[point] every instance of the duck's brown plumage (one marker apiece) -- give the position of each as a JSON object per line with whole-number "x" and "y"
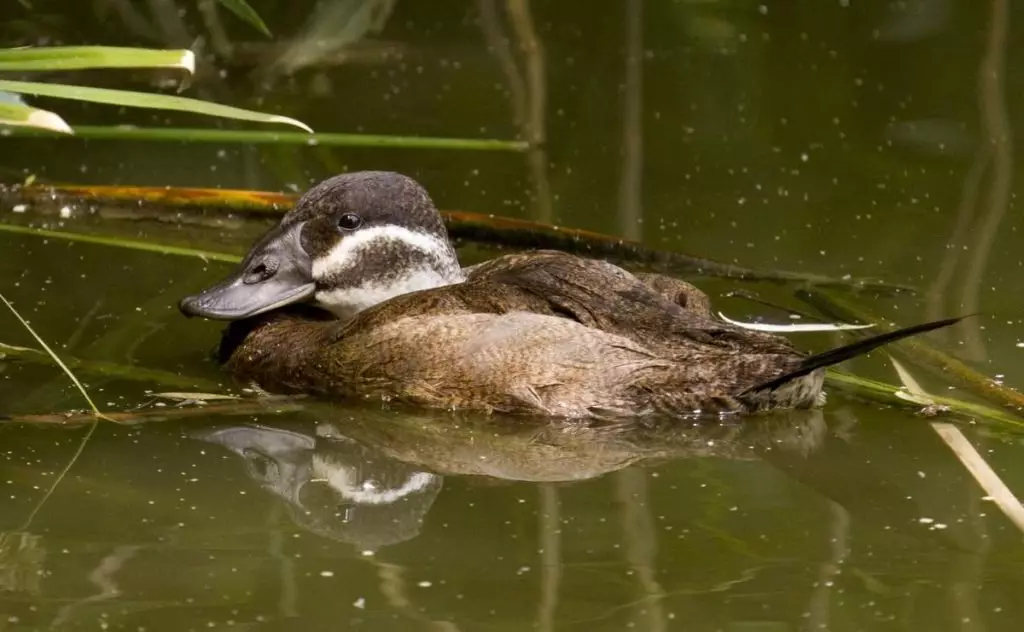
{"x": 617, "y": 347}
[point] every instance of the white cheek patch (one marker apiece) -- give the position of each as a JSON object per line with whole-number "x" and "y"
{"x": 348, "y": 250}
{"x": 349, "y": 301}
{"x": 343, "y": 260}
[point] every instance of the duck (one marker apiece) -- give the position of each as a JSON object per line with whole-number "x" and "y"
{"x": 357, "y": 293}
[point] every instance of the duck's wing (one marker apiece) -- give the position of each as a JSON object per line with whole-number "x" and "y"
{"x": 665, "y": 314}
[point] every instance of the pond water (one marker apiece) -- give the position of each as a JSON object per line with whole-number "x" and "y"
{"x": 843, "y": 138}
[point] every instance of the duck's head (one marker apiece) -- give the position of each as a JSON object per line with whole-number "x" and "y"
{"x": 351, "y": 242}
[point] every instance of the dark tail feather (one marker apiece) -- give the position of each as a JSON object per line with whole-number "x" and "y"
{"x": 834, "y": 356}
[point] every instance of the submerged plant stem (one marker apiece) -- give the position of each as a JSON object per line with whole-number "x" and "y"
{"x": 110, "y": 369}
{"x": 60, "y": 477}
{"x": 119, "y": 242}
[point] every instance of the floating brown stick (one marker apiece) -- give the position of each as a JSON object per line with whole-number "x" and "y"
{"x": 269, "y": 405}
{"x": 852, "y": 385}
{"x": 462, "y": 225}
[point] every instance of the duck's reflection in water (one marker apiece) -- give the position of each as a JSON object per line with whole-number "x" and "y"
{"x": 371, "y": 479}
{"x": 334, "y": 487}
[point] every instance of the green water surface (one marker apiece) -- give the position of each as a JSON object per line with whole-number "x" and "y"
{"x": 846, "y": 138}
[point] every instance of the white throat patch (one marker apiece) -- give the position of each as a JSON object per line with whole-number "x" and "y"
{"x": 343, "y": 258}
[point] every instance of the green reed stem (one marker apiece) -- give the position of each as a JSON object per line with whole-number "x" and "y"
{"x": 53, "y": 356}
{"x": 120, "y": 243}
{"x": 918, "y": 352}
{"x": 199, "y": 135}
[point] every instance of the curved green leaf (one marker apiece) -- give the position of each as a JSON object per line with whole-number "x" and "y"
{"x": 83, "y": 57}
{"x": 242, "y": 9}
{"x": 127, "y": 98}
{"x": 28, "y": 116}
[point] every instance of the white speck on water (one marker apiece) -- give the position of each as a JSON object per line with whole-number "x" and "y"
{"x": 926, "y": 520}
{"x": 367, "y": 553}
{"x": 424, "y": 584}
{"x": 20, "y": 208}
{"x": 65, "y": 212}
{"x": 360, "y": 603}
{"x": 326, "y": 573}
{"x": 523, "y": 569}
{"x": 921, "y": 474}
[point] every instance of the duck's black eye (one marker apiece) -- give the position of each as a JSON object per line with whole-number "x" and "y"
{"x": 349, "y": 221}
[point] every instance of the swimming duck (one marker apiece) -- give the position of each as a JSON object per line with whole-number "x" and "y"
{"x": 358, "y": 292}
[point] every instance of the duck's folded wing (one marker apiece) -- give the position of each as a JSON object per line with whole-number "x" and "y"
{"x": 662, "y": 313}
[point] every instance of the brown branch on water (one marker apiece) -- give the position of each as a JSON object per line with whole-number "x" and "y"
{"x": 265, "y": 406}
{"x": 190, "y": 204}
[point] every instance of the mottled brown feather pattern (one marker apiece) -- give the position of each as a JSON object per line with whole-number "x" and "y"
{"x": 522, "y": 335}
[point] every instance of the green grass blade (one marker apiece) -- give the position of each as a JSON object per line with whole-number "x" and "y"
{"x": 200, "y": 135}
{"x": 889, "y": 394}
{"x": 53, "y": 355}
{"x": 127, "y": 98}
{"x": 25, "y": 115}
{"x": 100, "y": 240}
{"x": 84, "y": 57}
{"x": 242, "y": 9}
